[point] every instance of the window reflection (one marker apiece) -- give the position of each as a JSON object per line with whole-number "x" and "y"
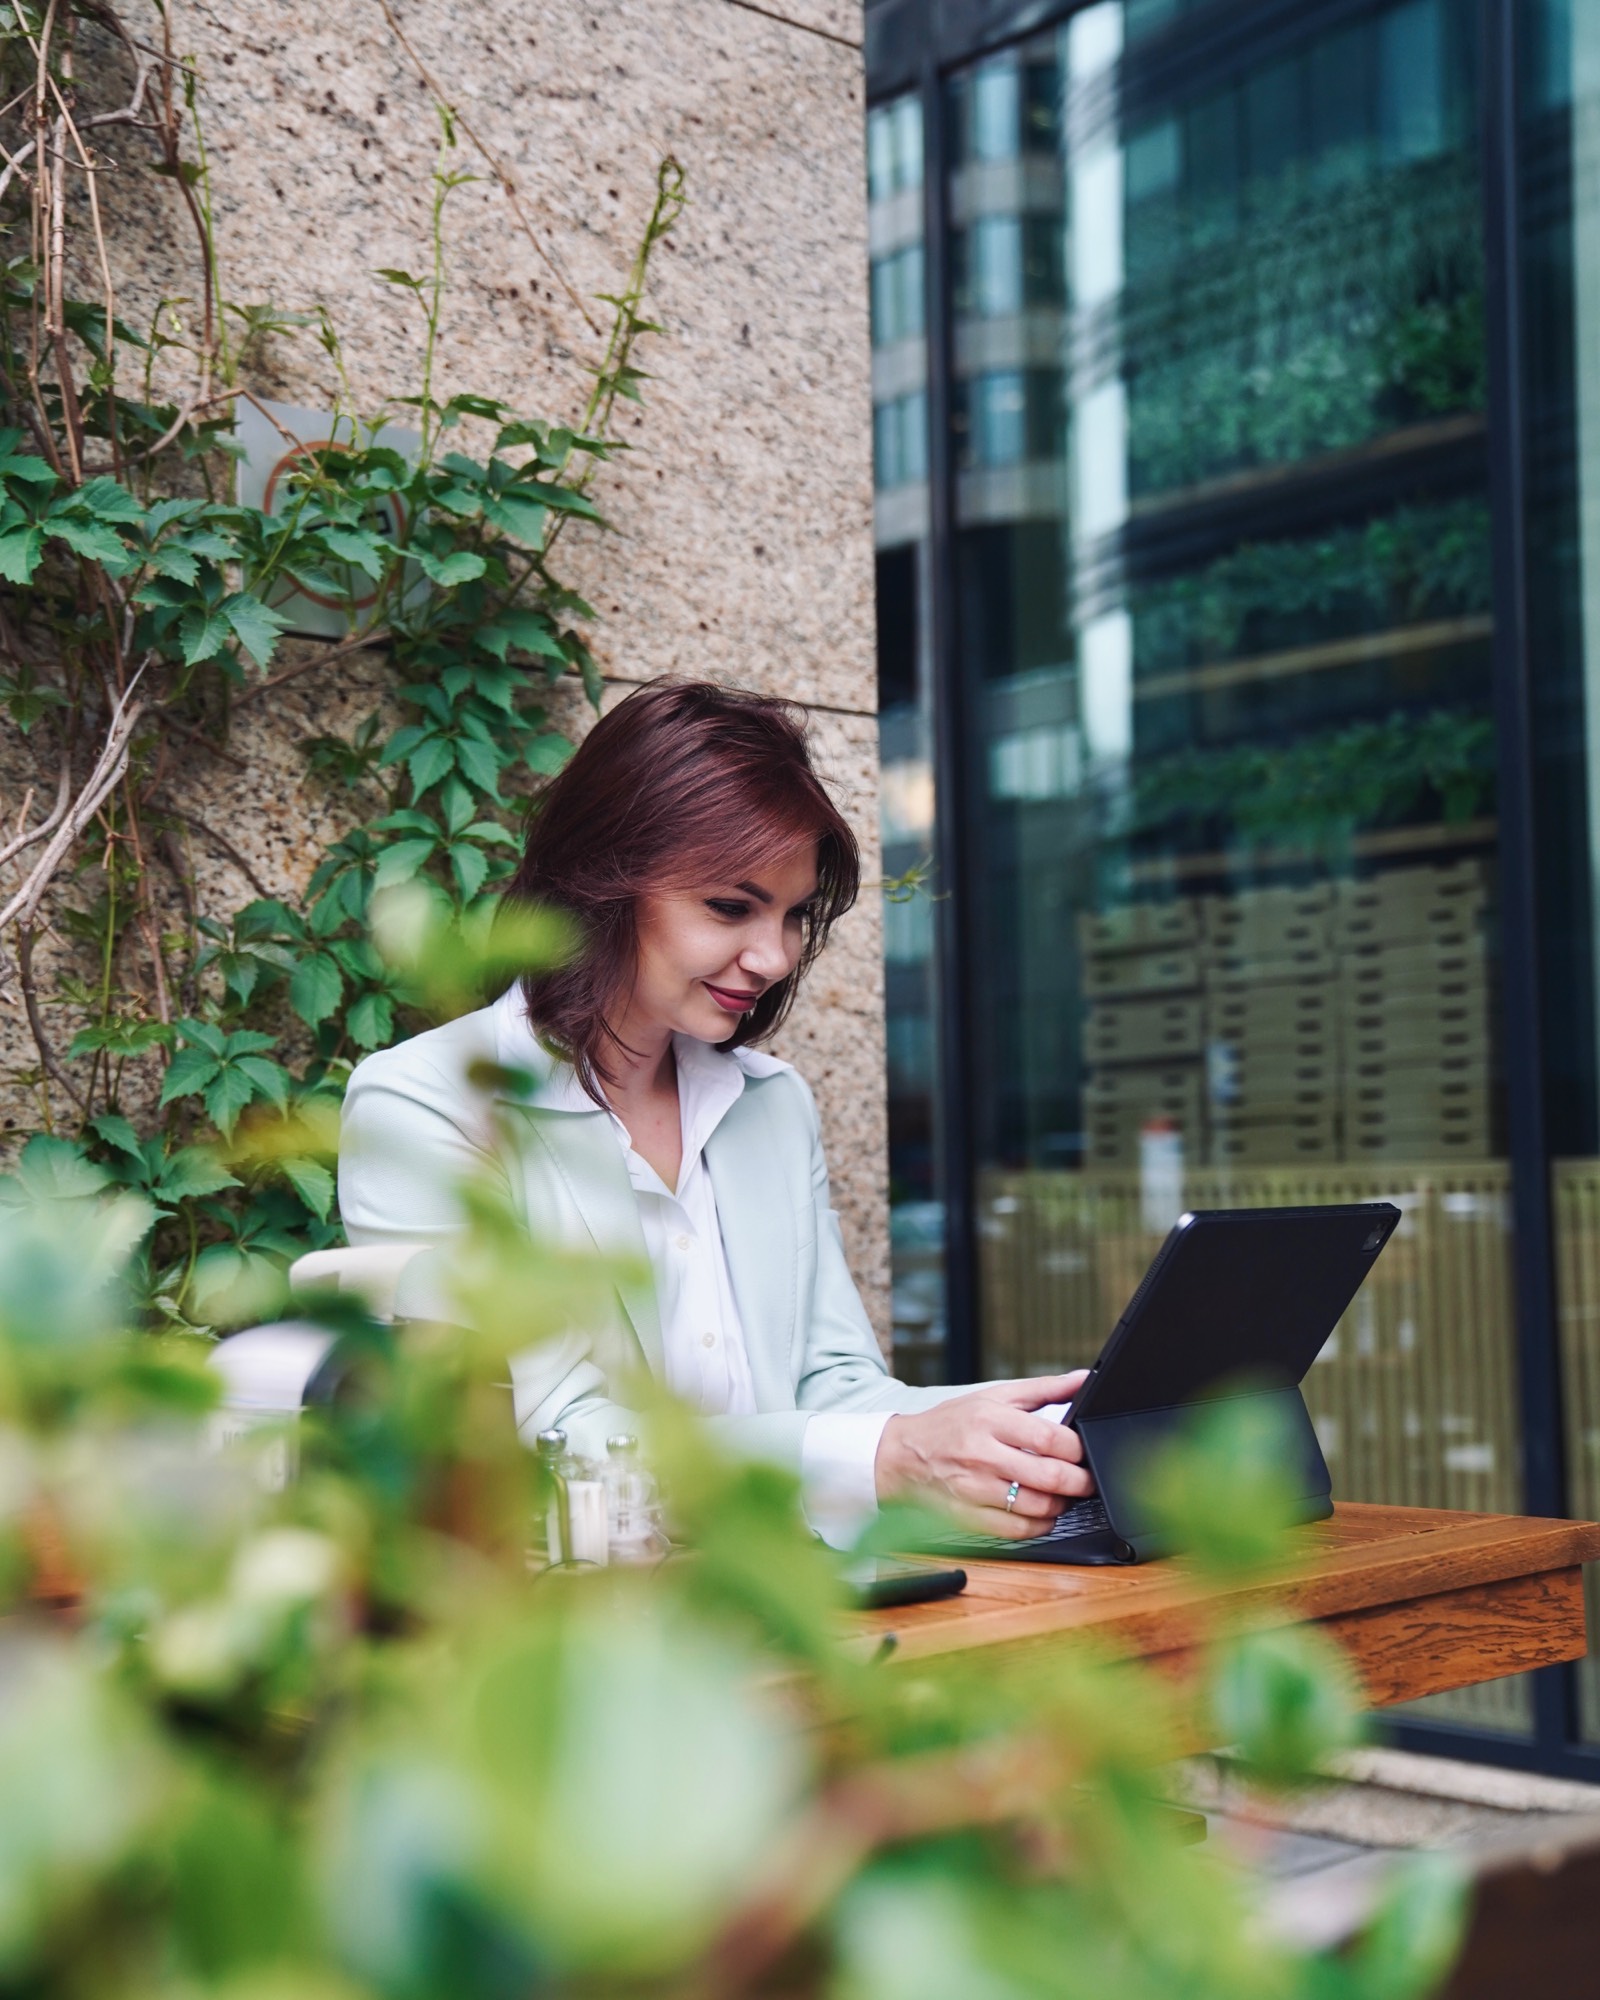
{"x": 1222, "y": 552}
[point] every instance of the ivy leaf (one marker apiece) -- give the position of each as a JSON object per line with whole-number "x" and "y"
{"x": 566, "y": 501}
{"x": 162, "y": 513}
{"x": 312, "y": 1182}
{"x": 358, "y": 957}
{"x": 194, "y": 1170}
{"x": 429, "y": 762}
{"x": 92, "y": 540}
{"x": 240, "y": 972}
{"x": 371, "y": 1021}
{"x": 528, "y": 631}
{"x": 403, "y": 742}
{"x": 316, "y": 988}
{"x": 182, "y": 170}
{"x": 202, "y": 633}
{"x": 270, "y": 1079}
{"x": 52, "y": 1169}
{"x": 400, "y": 862}
{"x": 548, "y": 754}
{"x": 518, "y": 515}
{"x": 458, "y": 806}
{"x": 364, "y": 551}
{"x": 469, "y": 865}
{"x": 181, "y": 564}
{"x": 256, "y": 625}
{"x": 110, "y": 500}
{"x": 205, "y": 1034}
{"x": 116, "y": 1131}
{"x": 266, "y": 917}
{"x": 475, "y": 406}
{"x": 226, "y": 1095}
{"x": 249, "y": 1042}
{"x": 409, "y": 819}
{"x": 19, "y": 555}
{"x": 189, "y": 1072}
{"x": 480, "y": 764}
{"x": 460, "y": 566}
{"x": 29, "y": 467}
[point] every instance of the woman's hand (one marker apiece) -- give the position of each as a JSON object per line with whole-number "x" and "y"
{"x": 965, "y": 1453}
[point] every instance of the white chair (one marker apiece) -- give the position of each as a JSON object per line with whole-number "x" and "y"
{"x": 270, "y": 1373}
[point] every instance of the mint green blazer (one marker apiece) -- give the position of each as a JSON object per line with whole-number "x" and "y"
{"x": 416, "y": 1125}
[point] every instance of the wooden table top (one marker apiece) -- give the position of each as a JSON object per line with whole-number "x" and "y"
{"x": 1422, "y": 1599}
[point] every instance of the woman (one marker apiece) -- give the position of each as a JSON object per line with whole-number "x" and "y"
{"x": 705, "y": 865}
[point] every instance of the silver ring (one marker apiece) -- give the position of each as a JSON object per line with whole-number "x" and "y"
{"x": 1011, "y": 1494}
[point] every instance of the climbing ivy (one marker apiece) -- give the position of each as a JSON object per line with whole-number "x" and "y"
{"x": 189, "y": 1049}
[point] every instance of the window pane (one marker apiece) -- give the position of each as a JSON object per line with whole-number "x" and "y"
{"x": 996, "y": 110}
{"x": 1225, "y": 633}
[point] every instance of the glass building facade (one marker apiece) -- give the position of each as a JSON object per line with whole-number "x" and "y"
{"x": 1236, "y": 379}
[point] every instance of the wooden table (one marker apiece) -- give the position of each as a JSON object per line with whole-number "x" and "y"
{"x": 1421, "y": 1600}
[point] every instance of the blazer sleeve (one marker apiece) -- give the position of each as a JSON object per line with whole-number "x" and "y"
{"x": 411, "y": 1134}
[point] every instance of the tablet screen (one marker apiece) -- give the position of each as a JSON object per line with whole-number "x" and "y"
{"x": 1236, "y": 1299}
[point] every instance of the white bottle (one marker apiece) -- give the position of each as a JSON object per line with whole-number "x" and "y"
{"x": 631, "y": 1509}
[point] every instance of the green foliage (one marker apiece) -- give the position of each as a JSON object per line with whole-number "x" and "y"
{"x": 1411, "y": 564}
{"x": 1309, "y": 319}
{"x": 1316, "y": 791}
{"x": 331, "y": 1737}
{"x": 141, "y": 606}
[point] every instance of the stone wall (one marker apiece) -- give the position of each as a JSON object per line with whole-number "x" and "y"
{"x": 743, "y": 515}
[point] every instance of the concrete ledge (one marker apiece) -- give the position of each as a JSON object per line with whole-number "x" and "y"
{"x": 1471, "y": 1784}
{"x": 1388, "y": 1799}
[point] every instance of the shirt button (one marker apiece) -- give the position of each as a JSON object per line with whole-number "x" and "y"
{"x": 708, "y": 1340}
{"x": 682, "y": 1242}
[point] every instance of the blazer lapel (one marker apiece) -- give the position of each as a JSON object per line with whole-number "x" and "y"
{"x": 582, "y": 1147}
{"x": 756, "y": 1208}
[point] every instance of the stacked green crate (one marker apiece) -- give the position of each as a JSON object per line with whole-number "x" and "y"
{"x": 1272, "y": 1042}
{"x": 1416, "y": 998}
{"x": 1144, "y": 1033}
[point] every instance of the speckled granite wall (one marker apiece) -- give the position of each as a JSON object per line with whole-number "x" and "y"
{"x": 743, "y": 525}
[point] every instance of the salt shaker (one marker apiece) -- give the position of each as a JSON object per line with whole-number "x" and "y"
{"x": 630, "y": 1503}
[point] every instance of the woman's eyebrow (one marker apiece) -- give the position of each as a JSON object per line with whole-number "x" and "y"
{"x": 754, "y": 889}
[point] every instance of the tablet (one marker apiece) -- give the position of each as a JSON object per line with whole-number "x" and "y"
{"x": 1236, "y": 1299}
{"x": 1238, "y": 1302}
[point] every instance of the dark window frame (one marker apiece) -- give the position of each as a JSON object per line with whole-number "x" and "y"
{"x": 915, "y": 44}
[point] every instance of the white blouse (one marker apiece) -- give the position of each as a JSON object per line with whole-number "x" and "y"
{"x": 703, "y": 1342}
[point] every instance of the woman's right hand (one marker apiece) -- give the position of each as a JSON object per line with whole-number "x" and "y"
{"x": 965, "y": 1453}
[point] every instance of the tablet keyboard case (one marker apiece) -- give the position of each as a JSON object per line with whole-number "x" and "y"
{"x": 1117, "y": 1449}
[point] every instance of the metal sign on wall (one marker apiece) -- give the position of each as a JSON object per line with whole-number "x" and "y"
{"x": 274, "y": 438}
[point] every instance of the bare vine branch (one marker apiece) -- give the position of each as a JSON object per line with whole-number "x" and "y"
{"x": 102, "y": 781}
{"x": 502, "y": 173}
{"x": 22, "y": 841}
{"x": 48, "y": 1058}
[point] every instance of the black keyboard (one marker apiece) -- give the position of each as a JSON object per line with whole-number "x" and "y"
{"x": 1083, "y": 1517}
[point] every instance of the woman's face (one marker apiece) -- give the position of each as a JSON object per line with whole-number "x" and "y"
{"x": 708, "y": 954}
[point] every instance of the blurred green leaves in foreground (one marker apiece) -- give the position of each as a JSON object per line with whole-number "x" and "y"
{"x": 330, "y": 1737}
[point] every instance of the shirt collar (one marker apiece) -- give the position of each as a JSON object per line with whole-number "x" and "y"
{"x": 710, "y": 1080}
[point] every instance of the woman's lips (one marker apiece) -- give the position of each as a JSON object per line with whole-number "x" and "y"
{"x": 731, "y": 1002}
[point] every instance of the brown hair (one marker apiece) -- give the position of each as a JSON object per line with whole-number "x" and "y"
{"x": 683, "y": 783}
